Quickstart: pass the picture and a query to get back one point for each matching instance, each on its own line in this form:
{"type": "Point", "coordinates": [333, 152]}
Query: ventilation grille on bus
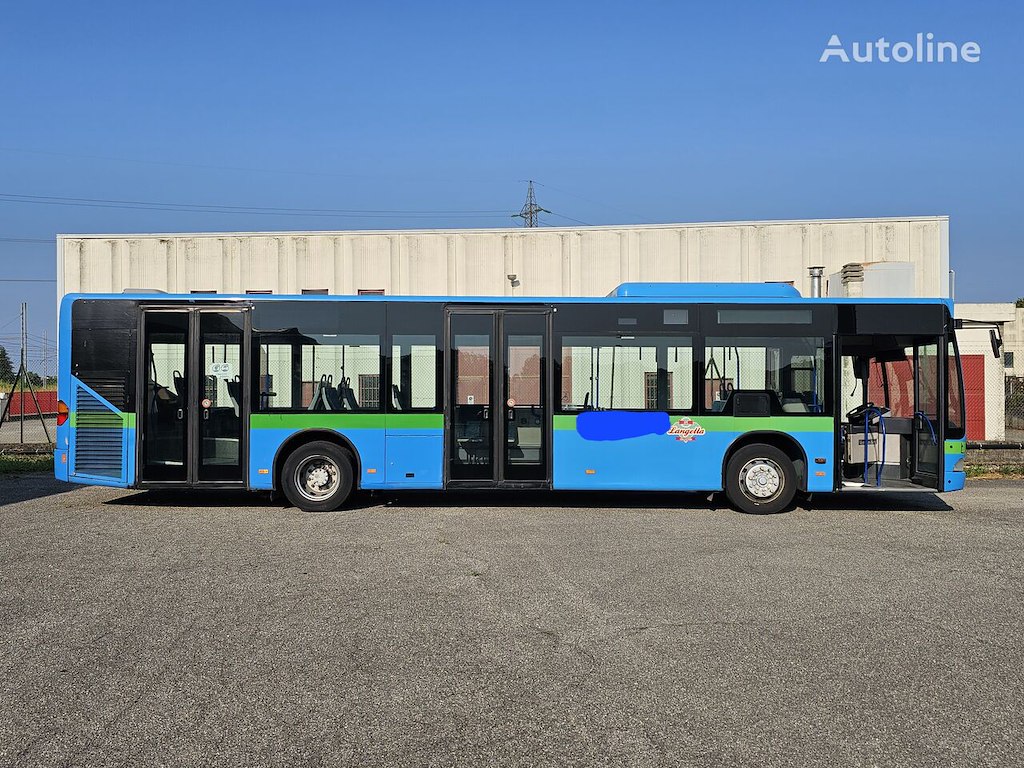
{"type": "Point", "coordinates": [99, 437]}
{"type": "Point", "coordinates": [113, 388]}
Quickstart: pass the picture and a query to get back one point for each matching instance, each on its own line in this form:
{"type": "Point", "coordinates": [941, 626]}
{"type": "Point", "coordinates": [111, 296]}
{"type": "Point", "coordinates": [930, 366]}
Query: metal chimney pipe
{"type": "Point", "coordinates": [816, 273]}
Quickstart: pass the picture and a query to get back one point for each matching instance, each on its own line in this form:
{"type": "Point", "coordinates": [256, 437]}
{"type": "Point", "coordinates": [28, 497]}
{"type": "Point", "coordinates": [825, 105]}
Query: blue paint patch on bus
{"type": "Point", "coordinates": [621, 425]}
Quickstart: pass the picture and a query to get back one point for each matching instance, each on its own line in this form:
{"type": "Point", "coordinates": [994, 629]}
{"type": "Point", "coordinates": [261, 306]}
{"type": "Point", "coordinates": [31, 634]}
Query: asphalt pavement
{"type": "Point", "coordinates": [534, 630]}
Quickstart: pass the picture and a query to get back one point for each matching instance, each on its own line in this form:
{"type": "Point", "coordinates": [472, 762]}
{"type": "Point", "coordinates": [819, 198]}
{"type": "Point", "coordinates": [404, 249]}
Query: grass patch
{"type": "Point", "coordinates": [995, 471]}
{"type": "Point", "coordinates": [25, 463]}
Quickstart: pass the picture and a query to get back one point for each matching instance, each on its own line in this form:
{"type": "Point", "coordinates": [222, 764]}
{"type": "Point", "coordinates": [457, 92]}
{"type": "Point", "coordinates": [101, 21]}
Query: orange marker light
{"type": "Point", "coordinates": [62, 412]}
{"type": "Point", "coordinates": [591, 471]}
{"type": "Point", "coordinates": [371, 471]}
{"type": "Point", "coordinates": [263, 471]}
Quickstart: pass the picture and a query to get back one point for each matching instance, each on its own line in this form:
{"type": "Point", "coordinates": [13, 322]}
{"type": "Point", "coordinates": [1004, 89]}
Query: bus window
{"type": "Point", "coordinates": [341, 373]}
{"type": "Point", "coordinates": [793, 368]}
{"type": "Point", "coordinates": [275, 381]}
{"type": "Point", "coordinates": [954, 393]}
{"type": "Point", "coordinates": [626, 373]}
{"type": "Point", "coordinates": [891, 384]}
{"type": "Point", "coordinates": [416, 360]}
{"type": "Point", "coordinates": [413, 372]}
{"type": "Point", "coordinates": [319, 356]}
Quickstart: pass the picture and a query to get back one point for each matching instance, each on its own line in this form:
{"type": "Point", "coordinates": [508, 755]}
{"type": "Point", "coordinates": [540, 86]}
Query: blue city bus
{"type": "Point", "coordinates": [749, 389]}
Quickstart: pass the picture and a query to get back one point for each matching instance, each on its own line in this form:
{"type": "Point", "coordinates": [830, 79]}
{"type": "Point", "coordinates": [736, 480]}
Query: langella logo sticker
{"type": "Point", "coordinates": [685, 430]}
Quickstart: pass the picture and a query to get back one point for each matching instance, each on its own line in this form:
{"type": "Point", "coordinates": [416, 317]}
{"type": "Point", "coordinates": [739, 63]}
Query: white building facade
{"type": "Point", "coordinates": [581, 261]}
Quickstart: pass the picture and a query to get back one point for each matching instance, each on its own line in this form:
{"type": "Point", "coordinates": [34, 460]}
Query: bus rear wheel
{"type": "Point", "coordinates": [318, 477]}
{"type": "Point", "coordinates": [760, 480]}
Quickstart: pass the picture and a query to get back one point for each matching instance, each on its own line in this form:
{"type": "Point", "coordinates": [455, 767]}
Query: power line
{"type": "Point", "coordinates": [589, 200]}
{"type": "Point", "coordinates": [88, 202]}
{"type": "Point", "coordinates": [569, 218]}
{"type": "Point", "coordinates": [28, 279]}
{"type": "Point", "coordinates": [243, 169]}
{"type": "Point", "coordinates": [30, 240]}
{"type": "Point", "coordinates": [246, 207]}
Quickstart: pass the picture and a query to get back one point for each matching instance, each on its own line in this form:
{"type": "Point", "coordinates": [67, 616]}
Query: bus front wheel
{"type": "Point", "coordinates": [318, 477]}
{"type": "Point", "coordinates": [760, 479]}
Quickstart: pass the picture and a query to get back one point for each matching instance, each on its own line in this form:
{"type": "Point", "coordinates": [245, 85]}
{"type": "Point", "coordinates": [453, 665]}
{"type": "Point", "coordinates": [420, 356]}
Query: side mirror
{"type": "Point", "coordinates": [997, 343]}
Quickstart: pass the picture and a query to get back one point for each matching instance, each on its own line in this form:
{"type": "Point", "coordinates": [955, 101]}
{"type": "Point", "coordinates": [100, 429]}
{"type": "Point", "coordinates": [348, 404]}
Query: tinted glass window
{"type": "Point", "coordinates": [415, 357]}
{"type": "Point", "coordinates": [793, 368]}
{"type": "Point", "coordinates": [319, 356]}
{"type": "Point", "coordinates": [626, 373]}
{"type": "Point", "coordinates": [954, 393]}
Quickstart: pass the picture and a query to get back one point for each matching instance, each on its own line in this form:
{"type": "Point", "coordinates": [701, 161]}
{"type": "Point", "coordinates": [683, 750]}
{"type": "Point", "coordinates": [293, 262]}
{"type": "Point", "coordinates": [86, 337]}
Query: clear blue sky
{"type": "Point", "coordinates": [628, 112]}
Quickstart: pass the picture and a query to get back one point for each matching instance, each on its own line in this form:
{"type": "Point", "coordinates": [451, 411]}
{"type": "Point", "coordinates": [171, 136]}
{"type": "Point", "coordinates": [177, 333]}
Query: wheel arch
{"type": "Point", "coordinates": [784, 442]}
{"type": "Point", "coordinates": [306, 436]}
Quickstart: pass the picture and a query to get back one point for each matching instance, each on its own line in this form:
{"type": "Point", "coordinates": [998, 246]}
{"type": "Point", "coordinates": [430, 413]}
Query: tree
{"type": "Point", "coordinates": [1020, 303]}
{"type": "Point", "coordinates": [6, 367]}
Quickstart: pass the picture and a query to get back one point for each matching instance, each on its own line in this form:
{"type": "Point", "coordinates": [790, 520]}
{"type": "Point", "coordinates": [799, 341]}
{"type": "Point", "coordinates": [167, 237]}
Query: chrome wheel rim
{"type": "Point", "coordinates": [762, 479]}
{"type": "Point", "coordinates": [317, 477]}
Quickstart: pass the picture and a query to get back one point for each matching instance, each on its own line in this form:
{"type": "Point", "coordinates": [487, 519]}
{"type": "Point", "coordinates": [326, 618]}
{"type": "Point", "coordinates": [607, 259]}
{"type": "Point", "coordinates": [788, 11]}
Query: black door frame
{"type": "Point", "coordinates": [193, 364]}
{"type": "Point", "coordinates": [499, 444]}
{"type": "Point", "coordinates": [917, 475]}
{"type": "Point", "coordinates": [924, 479]}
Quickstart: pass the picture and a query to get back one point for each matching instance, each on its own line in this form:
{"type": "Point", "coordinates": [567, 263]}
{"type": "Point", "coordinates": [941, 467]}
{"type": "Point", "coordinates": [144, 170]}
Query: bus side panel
{"type": "Point", "coordinates": [415, 450]}
{"type": "Point", "coordinates": [955, 479]}
{"type": "Point", "coordinates": [268, 431]}
{"type": "Point", "coordinates": [676, 453]}
{"type": "Point", "coordinates": [394, 450]}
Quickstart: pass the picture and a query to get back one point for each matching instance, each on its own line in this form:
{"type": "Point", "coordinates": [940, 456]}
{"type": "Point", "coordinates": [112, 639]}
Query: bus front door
{"type": "Point", "coordinates": [498, 411]}
{"type": "Point", "coordinates": [927, 427]}
{"type": "Point", "coordinates": [195, 404]}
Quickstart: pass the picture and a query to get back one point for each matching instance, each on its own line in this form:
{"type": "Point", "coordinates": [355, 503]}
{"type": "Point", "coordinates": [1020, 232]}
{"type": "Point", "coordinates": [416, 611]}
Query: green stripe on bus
{"type": "Point", "coordinates": [736, 423]}
{"type": "Point", "coordinates": [773, 423]}
{"type": "Point", "coordinates": [954, 447]}
{"type": "Point", "coordinates": [346, 420]}
{"type": "Point", "coordinates": [108, 420]}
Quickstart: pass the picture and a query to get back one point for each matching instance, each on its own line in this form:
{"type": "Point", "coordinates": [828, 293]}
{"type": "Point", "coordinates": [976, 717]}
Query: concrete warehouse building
{"type": "Point", "coordinates": [908, 256]}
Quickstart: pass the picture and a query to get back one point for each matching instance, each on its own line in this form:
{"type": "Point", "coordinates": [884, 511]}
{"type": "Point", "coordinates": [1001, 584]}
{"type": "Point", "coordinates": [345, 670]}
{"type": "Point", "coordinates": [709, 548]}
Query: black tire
{"type": "Point", "coordinates": [760, 469]}
{"type": "Point", "coordinates": [318, 477]}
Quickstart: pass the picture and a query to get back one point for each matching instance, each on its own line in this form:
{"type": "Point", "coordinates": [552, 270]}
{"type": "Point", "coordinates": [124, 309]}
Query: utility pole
{"type": "Point", "coordinates": [24, 369]}
{"type": "Point", "coordinates": [530, 208]}
{"type": "Point", "coordinates": [20, 380]}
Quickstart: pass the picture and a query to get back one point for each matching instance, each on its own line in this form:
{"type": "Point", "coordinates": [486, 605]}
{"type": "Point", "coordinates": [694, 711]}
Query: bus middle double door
{"type": "Point", "coordinates": [194, 402]}
{"type": "Point", "coordinates": [498, 397]}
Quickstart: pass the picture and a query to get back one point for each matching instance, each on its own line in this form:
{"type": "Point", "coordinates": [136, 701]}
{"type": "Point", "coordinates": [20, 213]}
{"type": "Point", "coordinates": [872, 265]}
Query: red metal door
{"type": "Point", "coordinates": [974, 395]}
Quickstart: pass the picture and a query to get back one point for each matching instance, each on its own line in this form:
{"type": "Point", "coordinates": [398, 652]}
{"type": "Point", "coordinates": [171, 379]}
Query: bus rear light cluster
{"type": "Point", "coordinates": [62, 412]}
